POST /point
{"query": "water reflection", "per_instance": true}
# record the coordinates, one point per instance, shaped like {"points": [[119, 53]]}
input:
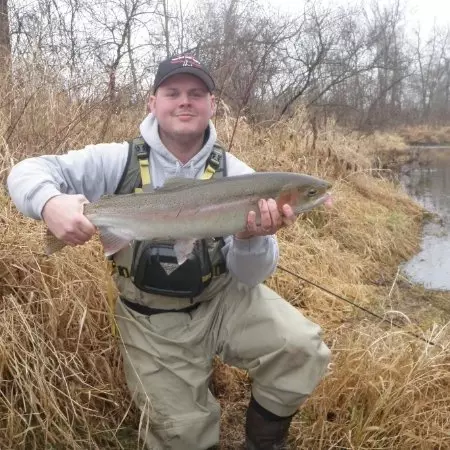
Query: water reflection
{"points": [[427, 180]]}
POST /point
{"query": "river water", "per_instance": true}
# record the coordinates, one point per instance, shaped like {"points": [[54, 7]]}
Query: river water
{"points": [[427, 180]]}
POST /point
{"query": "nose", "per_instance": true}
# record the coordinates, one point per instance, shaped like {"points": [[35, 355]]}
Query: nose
{"points": [[184, 99]]}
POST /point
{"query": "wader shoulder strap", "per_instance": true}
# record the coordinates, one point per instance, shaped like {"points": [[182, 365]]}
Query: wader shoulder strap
{"points": [[137, 172], [138, 151], [216, 164], [142, 151]]}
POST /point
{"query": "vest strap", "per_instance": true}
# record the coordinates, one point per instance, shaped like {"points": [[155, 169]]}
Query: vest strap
{"points": [[213, 163], [145, 173], [142, 153]]}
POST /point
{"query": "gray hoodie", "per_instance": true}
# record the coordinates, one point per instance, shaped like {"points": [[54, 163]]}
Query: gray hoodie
{"points": [[96, 170]]}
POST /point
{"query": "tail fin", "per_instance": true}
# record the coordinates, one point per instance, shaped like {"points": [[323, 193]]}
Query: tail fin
{"points": [[51, 243]]}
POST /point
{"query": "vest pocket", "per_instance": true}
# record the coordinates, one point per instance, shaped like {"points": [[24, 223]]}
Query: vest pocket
{"points": [[155, 270]]}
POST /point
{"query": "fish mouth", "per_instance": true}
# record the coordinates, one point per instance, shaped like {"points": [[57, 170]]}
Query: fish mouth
{"points": [[313, 204]]}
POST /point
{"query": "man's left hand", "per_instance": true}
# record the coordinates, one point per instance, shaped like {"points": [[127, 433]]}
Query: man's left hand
{"points": [[271, 219]]}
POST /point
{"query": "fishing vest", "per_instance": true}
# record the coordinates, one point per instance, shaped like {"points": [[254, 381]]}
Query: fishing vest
{"points": [[146, 267]]}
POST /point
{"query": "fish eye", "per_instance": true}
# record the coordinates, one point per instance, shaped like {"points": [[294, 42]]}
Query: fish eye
{"points": [[312, 192]]}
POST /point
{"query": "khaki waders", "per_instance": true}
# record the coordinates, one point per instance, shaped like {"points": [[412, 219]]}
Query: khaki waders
{"points": [[168, 360]]}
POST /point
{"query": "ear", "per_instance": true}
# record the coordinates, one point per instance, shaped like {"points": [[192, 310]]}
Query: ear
{"points": [[213, 105], [151, 103]]}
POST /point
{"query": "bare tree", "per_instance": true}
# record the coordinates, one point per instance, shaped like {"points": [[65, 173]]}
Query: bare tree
{"points": [[113, 39], [355, 63], [432, 61], [166, 30], [5, 43]]}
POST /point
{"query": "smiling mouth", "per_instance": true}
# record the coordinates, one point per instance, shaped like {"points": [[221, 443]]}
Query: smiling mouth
{"points": [[185, 117]]}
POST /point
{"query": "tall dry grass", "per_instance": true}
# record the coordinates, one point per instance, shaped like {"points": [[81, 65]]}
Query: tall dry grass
{"points": [[425, 135], [61, 378], [62, 384]]}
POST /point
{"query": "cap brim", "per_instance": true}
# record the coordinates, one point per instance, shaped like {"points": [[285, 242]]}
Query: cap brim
{"points": [[199, 73]]}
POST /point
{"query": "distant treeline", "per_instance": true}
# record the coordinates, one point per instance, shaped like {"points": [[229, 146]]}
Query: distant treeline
{"points": [[365, 65]]}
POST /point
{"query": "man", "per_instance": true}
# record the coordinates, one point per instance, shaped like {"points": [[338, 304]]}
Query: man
{"points": [[171, 321]]}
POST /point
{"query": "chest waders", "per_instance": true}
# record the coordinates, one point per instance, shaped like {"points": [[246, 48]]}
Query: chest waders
{"points": [[151, 268]]}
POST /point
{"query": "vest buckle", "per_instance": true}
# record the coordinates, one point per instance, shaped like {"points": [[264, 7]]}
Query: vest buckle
{"points": [[214, 159]]}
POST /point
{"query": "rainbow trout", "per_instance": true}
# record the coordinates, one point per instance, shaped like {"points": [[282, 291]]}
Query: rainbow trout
{"points": [[184, 210]]}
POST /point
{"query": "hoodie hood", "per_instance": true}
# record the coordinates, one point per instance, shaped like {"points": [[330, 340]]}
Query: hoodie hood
{"points": [[164, 164]]}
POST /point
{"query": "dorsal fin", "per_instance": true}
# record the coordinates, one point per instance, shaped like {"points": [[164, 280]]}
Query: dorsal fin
{"points": [[179, 183], [106, 196]]}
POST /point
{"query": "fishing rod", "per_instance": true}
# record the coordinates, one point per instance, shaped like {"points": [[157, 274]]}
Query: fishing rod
{"points": [[340, 297]]}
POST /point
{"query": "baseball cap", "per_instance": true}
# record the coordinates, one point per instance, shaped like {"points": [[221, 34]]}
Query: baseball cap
{"points": [[182, 64]]}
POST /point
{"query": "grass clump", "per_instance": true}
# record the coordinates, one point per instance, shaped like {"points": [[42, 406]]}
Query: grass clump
{"points": [[62, 383], [425, 135], [384, 390]]}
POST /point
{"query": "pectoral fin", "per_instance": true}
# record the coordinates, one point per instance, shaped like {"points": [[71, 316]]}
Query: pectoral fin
{"points": [[114, 240], [183, 248]]}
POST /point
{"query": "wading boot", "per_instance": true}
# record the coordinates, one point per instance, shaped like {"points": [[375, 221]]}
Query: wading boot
{"points": [[264, 430]]}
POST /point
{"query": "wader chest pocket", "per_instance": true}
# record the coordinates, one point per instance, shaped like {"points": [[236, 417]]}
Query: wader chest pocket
{"points": [[156, 270]]}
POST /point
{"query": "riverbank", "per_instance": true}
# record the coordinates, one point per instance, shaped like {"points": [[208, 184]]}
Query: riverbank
{"points": [[425, 135], [63, 382]]}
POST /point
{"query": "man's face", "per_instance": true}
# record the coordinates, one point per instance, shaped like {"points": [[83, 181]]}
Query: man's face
{"points": [[183, 106]]}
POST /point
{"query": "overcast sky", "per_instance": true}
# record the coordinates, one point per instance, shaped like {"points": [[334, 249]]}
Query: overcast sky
{"points": [[424, 12]]}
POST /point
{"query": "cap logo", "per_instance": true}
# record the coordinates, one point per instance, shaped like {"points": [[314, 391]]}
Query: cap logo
{"points": [[186, 61]]}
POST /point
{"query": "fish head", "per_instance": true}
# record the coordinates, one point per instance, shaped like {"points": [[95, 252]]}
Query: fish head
{"points": [[303, 192]]}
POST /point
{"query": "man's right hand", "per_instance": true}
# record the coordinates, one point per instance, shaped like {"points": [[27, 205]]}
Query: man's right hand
{"points": [[64, 217]]}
